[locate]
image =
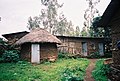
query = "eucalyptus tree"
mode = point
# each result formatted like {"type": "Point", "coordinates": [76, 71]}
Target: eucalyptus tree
{"type": "Point", "coordinates": [50, 20]}
{"type": "Point", "coordinates": [90, 13]}
{"type": "Point", "coordinates": [77, 31]}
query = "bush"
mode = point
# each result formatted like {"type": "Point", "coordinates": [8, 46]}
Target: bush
{"type": "Point", "coordinates": [101, 71]}
{"type": "Point", "coordinates": [10, 56]}
{"type": "Point", "coordinates": [62, 55]}
{"type": "Point", "coordinates": [72, 74]}
{"type": "Point", "coordinates": [95, 55]}
{"type": "Point", "coordinates": [108, 55]}
{"type": "Point", "coordinates": [3, 46]}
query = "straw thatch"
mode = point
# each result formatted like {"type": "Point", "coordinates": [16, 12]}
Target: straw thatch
{"type": "Point", "coordinates": [38, 36]}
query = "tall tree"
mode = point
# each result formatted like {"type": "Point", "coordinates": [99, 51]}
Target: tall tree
{"type": "Point", "coordinates": [97, 31]}
{"type": "Point", "coordinates": [0, 18]}
{"type": "Point", "coordinates": [70, 29]}
{"type": "Point", "coordinates": [77, 31]}
{"type": "Point", "coordinates": [90, 14]}
{"type": "Point", "coordinates": [47, 18]}
{"type": "Point", "coordinates": [84, 32]}
{"type": "Point", "coordinates": [33, 23]}
{"type": "Point", "coordinates": [50, 20]}
{"type": "Point", "coordinates": [62, 25]}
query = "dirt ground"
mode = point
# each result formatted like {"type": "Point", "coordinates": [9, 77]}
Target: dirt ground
{"type": "Point", "coordinates": [88, 76]}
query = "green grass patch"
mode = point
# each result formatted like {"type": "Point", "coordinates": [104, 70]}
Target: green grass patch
{"type": "Point", "coordinates": [101, 70]}
{"type": "Point", "coordinates": [61, 70]}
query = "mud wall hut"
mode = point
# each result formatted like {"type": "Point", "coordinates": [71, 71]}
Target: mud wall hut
{"type": "Point", "coordinates": [38, 45]}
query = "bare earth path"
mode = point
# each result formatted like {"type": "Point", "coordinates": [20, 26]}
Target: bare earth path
{"type": "Point", "coordinates": [88, 76]}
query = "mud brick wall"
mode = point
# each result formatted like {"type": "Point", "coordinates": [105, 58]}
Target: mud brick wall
{"type": "Point", "coordinates": [25, 53]}
{"type": "Point", "coordinates": [73, 45]}
{"type": "Point", "coordinates": [47, 50]}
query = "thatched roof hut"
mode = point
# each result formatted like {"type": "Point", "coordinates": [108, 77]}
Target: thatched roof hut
{"type": "Point", "coordinates": [37, 36]}
{"type": "Point", "coordinates": [38, 45]}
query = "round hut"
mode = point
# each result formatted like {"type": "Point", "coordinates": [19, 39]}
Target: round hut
{"type": "Point", "coordinates": [38, 45]}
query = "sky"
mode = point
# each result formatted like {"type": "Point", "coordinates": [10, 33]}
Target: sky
{"type": "Point", "coordinates": [15, 13]}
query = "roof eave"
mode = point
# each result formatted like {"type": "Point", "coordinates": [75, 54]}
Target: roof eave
{"type": "Point", "coordinates": [109, 13]}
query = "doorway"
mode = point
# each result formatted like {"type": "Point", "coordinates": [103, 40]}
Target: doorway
{"type": "Point", "coordinates": [101, 49]}
{"type": "Point", "coordinates": [84, 48]}
{"type": "Point", "coordinates": [35, 54]}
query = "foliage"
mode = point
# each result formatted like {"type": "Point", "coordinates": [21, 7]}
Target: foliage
{"type": "Point", "coordinates": [3, 46]}
{"type": "Point", "coordinates": [94, 55]}
{"type": "Point", "coordinates": [67, 55]}
{"type": "Point", "coordinates": [62, 25]}
{"type": "Point", "coordinates": [77, 31]}
{"type": "Point", "coordinates": [61, 55]}
{"type": "Point", "coordinates": [108, 55]}
{"type": "Point", "coordinates": [101, 71]}
{"type": "Point", "coordinates": [97, 55]}
{"type": "Point", "coordinates": [83, 32]}
{"type": "Point", "coordinates": [23, 71]}
{"type": "Point", "coordinates": [8, 53]}
{"type": "Point", "coordinates": [33, 23]}
{"type": "Point", "coordinates": [90, 13]}
{"type": "Point", "coordinates": [94, 30]}
{"type": "Point", "coordinates": [64, 55]}
{"type": "Point", "coordinates": [10, 56]}
{"type": "Point", "coordinates": [72, 74]}
{"type": "Point", "coordinates": [50, 20]}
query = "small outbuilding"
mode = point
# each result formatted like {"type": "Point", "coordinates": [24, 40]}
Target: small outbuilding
{"type": "Point", "coordinates": [38, 45]}
{"type": "Point", "coordinates": [13, 37]}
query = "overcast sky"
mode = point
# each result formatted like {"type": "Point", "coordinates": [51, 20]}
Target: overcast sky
{"type": "Point", "coordinates": [14, 13]}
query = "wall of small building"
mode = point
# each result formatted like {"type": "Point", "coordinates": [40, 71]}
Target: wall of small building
{"type": "Point", "coordinates": [74, 45]}
{"type": "Point", "coordinates": [47, 51]}
{"type": "Point", "coordinates": [115, 27]}
{"type": "Point", "coordinates": [25, 53]}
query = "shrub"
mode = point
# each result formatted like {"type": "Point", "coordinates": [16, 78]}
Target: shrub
{"type": "Point", "coordinates": [3, 46]}
{"type": "Point", "coordinates": [95, 55]}
{"type": "Point", "coordinates": [10, 56]}
{"type": "Point", "coordinates": [108, 55]}
{"type": "Point", "coordinates": [101, 71]}
{"type": "Point", "coordinates": [72, 74]}
{"type": "Point", "coordinates": [62, 55]}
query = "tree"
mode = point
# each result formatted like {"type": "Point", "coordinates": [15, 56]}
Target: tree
{"type": "Point", "coordinates": [48, 17]}
{"type": "Point", "coordinates": [51, 21]}
{"type": "Point", "coordinates": [0, 18]}
{"type": "Point", "coordinates": [62, 25]}
{"type": "Point", "coordinates": [96, 31]}
{"type": "Point", "coordinates": [33, 23]}
{"type": "Point", "coordinates": [90, 14]}
{"type": "Point", "coordinates": [70, 29]}
{"type": "Point", "coordinates": [84, 32]}
{"type": "Point", "coordinates": [77, 32]}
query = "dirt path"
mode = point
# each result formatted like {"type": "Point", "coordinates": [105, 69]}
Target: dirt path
{"type": "Point", "coordinates": [88, 76]}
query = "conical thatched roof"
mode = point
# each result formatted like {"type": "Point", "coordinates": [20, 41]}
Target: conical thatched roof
{"type": "Point", "coordinates": [38, 36]}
